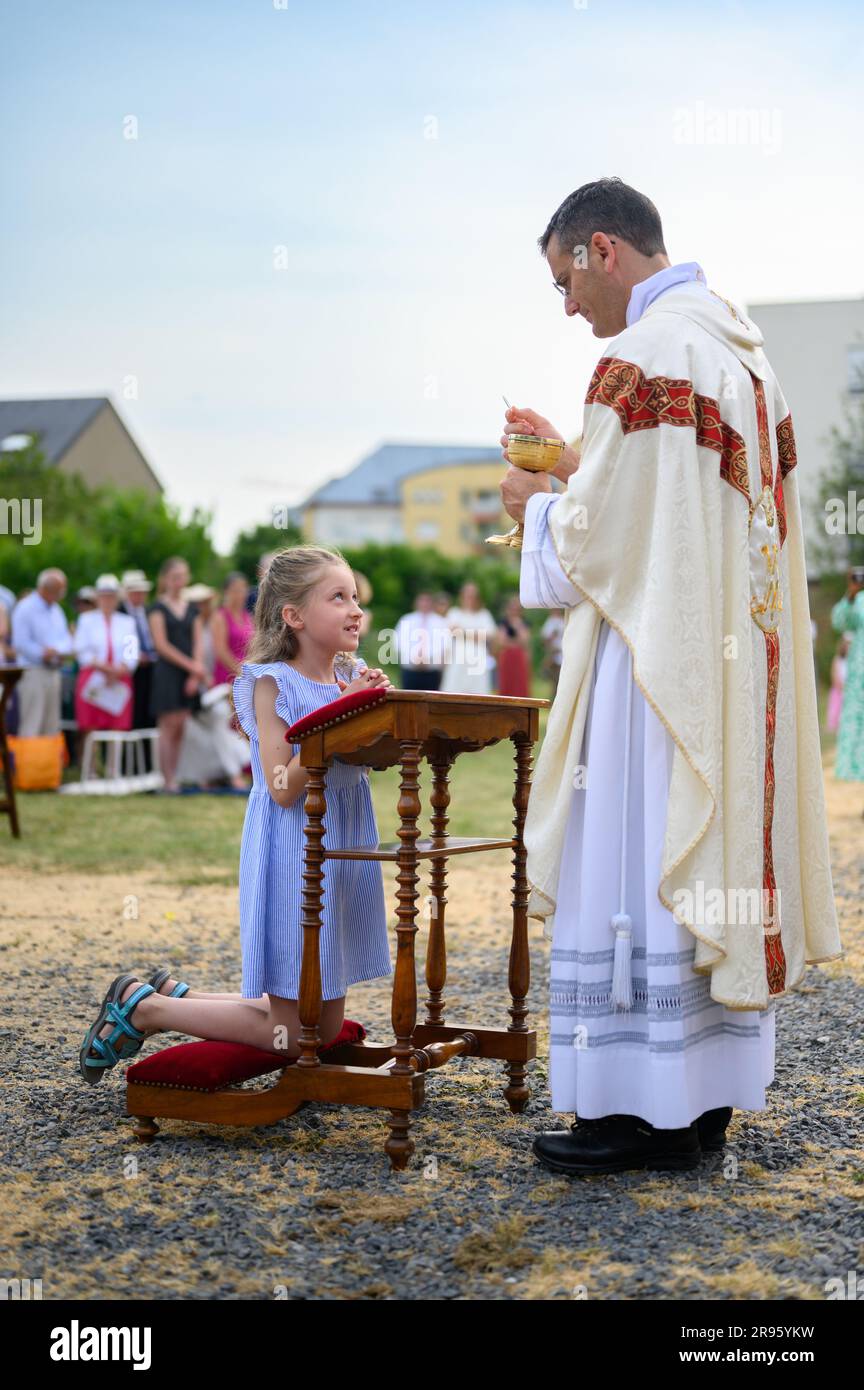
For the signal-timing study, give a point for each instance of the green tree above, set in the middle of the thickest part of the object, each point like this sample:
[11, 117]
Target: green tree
[87, 531]
[251, 545]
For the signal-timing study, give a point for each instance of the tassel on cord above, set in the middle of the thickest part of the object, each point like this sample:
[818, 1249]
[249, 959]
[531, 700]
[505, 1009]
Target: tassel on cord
[622, 986]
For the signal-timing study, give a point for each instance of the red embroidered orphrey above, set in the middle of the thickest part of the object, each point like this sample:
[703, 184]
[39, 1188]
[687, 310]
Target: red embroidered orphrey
[643, 403]
[775, 960]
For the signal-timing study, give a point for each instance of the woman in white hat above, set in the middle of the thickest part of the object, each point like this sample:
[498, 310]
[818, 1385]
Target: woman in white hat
[106, 645]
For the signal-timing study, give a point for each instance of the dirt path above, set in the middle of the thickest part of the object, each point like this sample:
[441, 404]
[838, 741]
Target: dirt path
[309, 1209]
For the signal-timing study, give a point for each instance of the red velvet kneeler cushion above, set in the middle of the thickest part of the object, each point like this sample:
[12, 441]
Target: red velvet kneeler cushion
[209, 1066]
[333, 713]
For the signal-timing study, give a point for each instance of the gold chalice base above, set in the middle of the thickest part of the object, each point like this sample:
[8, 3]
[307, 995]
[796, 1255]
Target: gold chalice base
[535, 454]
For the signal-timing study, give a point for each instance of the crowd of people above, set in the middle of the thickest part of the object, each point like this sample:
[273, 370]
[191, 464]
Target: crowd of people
[461, 647]
[138, 656]
[132, 660]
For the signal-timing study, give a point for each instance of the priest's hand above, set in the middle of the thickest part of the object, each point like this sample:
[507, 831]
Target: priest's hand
[521, 420]
[517, 486]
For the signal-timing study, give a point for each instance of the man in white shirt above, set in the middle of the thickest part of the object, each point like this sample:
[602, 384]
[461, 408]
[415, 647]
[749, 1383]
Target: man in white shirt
[41, 638]
[422, 641]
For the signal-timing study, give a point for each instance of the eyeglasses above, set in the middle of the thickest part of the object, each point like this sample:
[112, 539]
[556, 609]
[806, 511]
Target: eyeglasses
[562, 289]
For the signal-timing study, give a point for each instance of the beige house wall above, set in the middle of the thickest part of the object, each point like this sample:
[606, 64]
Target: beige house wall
[104, 454]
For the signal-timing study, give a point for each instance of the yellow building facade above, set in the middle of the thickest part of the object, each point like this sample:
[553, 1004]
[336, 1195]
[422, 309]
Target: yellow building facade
[441, 495]
[454, 507]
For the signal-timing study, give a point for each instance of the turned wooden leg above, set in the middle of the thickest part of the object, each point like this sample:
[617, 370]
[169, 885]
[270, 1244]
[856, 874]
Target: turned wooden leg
[436, 950]
[404, 1010]
[519, 976]
[9, 802]
[400, 1145]
[145, 1129]
[309, 1003]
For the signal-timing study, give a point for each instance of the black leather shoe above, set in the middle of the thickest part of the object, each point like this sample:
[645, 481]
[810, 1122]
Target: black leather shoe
[712, 1125]
[712, 1128]
[616, 1143]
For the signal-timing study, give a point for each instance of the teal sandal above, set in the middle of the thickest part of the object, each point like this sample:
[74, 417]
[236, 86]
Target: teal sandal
[123, 1041]
[157, 980]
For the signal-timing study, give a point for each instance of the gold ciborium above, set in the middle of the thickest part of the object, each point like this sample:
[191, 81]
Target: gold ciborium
[535, 454]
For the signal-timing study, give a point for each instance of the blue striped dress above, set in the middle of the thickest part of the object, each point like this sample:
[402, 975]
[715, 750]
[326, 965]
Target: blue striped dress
[353, 939]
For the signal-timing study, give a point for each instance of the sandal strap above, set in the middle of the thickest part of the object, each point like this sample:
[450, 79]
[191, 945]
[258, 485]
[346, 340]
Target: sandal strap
[107, 1056]
[122, 1025]
[119, 1014]
[111, 1050]
[158, 979]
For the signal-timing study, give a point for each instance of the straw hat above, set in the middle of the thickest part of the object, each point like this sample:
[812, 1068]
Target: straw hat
[197, 593]
[107, 584]
[137, 581]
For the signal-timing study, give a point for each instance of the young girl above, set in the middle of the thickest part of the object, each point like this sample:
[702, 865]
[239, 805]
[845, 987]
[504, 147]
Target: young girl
[307, 625]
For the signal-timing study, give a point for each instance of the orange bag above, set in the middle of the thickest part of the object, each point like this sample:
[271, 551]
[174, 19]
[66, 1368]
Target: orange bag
[38, 762]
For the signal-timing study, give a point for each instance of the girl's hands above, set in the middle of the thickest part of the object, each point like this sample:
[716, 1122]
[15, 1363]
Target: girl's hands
[373, 678]
[190, 685]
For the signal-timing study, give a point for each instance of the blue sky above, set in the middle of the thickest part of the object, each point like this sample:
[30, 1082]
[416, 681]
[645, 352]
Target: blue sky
[406, 157]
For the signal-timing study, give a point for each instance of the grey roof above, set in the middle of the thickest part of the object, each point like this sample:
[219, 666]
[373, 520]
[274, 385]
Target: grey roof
[57, 423]
[376, 478]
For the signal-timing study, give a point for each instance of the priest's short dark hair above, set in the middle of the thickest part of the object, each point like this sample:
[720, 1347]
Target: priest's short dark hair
[610, 206]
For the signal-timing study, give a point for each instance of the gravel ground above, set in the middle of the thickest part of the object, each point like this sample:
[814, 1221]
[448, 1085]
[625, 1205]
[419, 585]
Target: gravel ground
[309, 1208]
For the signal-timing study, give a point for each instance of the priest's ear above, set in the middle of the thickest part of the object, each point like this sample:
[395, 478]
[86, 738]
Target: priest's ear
[606, 248]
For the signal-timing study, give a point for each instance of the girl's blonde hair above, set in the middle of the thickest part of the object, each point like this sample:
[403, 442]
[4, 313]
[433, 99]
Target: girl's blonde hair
[290, 578]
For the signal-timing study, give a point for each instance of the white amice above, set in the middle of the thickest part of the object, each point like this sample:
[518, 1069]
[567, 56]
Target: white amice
[676, 1052]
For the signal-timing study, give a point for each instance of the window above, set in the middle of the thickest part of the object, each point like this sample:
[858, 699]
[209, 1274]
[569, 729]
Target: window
[427, 531]
[427, 497]
[855, 368]
[485, 505]
[13, 442]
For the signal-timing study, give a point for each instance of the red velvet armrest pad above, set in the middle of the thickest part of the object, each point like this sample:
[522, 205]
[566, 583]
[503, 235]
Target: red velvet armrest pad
[209, 1065]
[342, 708]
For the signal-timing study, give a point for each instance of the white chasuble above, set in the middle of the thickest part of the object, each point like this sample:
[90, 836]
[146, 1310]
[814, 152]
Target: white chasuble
[681, 766]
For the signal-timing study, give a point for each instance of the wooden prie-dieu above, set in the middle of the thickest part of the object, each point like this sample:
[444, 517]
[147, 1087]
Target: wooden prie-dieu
[403, 728]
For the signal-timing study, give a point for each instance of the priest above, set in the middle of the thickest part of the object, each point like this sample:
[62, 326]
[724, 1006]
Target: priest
[676, 833]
